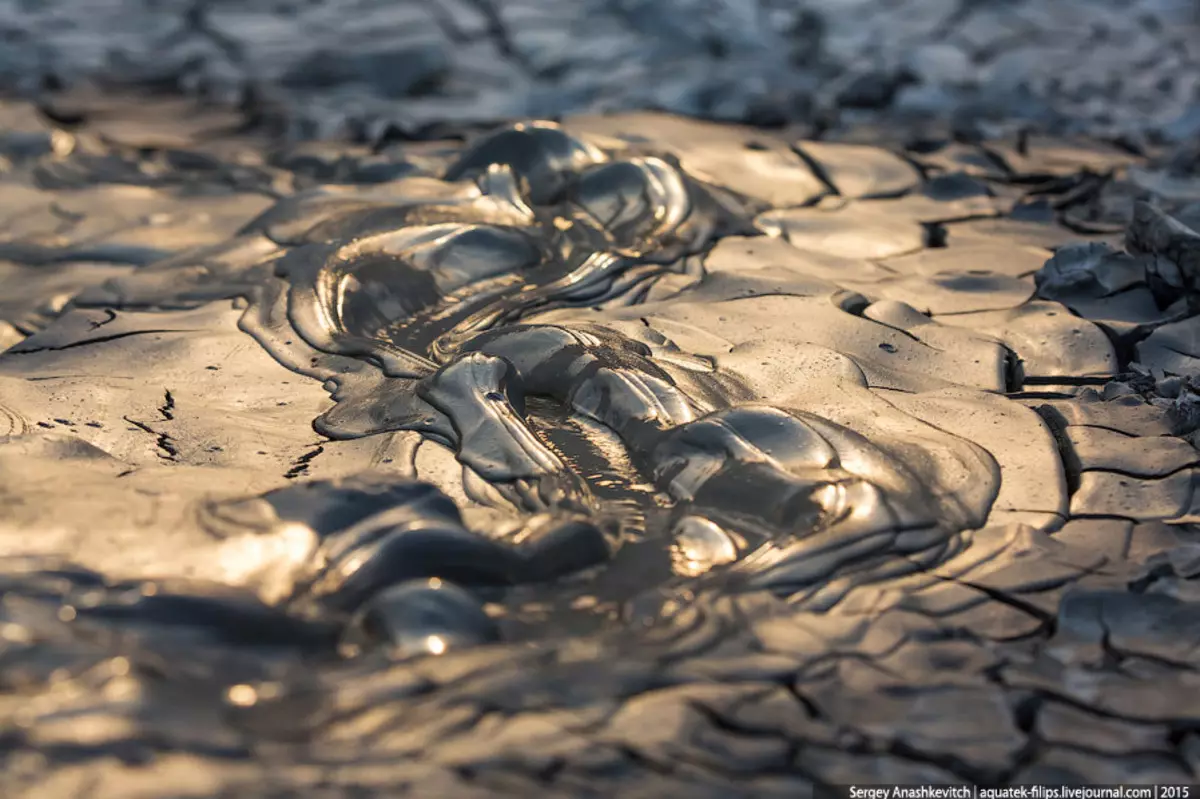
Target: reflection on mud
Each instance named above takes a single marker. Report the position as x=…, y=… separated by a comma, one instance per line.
x=541, y=307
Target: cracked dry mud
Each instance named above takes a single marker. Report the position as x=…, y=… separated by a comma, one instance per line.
x=632, y=456
x=329, y=66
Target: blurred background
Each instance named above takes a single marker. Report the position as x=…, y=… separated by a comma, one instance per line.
x=357, y=67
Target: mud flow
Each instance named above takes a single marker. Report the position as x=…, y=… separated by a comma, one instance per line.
x=615, y=456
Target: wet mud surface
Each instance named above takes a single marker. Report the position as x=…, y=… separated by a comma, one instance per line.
x=631, y=455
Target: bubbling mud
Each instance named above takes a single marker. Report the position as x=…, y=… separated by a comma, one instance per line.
x=541, y=309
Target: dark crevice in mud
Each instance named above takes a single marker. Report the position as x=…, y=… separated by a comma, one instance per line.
x=1050, y=695
x=1062, y=193
x=823, y=123
x=856, y=305
x=110, y=315
x=300, y=465
x=949, y=222
x=27, y=329
x=817, y=169
x=955, y=766
x=936, y=234
x=547, y=774
x=1083, y=229
x=1066, y=380
x=1014, y=371
x=1025, y=709
x=1170, y=755
x=1057, y=425
x=1128, y=143
x=724, y=724
x=997, y=161
x=63, y=118
x=1152, y=574
x=1106, y=517
x=1025, y=757
x=1120, y=655
x=1149, y=478
x=906, y=154
x=1097, y=427
x=1177, y=738
x=1124, y=345
x=163, y=441
x=886, y=390
x=711, y=764
x=814, y=711
x=168, y=407
x=19, y=350
x=44, y=378
x=1048, y=620
x=1061, y=516
x=639, y=758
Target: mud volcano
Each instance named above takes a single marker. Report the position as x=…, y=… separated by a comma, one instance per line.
x=623, y=456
